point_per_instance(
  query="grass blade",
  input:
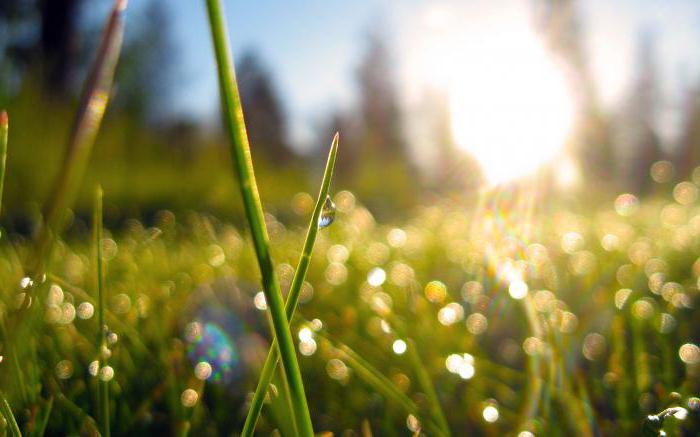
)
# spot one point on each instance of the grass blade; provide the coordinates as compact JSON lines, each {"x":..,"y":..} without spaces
{"x":383,"y":385}
{"x":87,"y":122}
{"x":268,"y":369}
{"x":243,"y":162}
{"x":103,"y":393}
{"x":9,"y":417}
{"x":427,"y":385}
{"x":4,"y":130}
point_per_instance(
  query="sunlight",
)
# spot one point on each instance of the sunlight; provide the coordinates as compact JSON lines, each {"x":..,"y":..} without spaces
{"x":510,"y":106}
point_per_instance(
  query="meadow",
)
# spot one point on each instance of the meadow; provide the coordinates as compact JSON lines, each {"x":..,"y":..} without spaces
{"x":506,"y":313}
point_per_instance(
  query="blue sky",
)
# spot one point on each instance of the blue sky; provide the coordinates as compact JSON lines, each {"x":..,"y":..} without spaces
{"x":313,"y":47}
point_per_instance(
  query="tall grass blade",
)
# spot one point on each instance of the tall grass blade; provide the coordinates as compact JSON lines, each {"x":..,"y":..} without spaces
{"x":243,"y":163}
{"x":4,"y":131}
{"x":93,"y":104}
{"x":294,"y":292}
{"x":103,"y":391}
{"x":9,"y":417}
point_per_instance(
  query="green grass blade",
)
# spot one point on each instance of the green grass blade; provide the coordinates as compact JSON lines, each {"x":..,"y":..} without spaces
{"x":4,"y":130}
{"x":9,"y":417}
{"x":427,"y":385}
{"x":422,"y":375}
{"x":43,"y":419}
{"x":240,"y":150}
{"x":103,"y":391}
{"x":383,"y":385}
{"x":93,"y":104}
{"x":268,"y":369}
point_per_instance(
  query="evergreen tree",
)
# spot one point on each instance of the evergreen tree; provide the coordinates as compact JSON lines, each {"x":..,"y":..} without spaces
{"x":266,"y":120}
{"x":641,"y":114}
{"x":560,"y":24}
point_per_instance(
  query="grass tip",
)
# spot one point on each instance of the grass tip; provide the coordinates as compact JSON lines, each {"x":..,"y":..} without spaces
{"x":336,"y":137}
{"x":4,"y":120}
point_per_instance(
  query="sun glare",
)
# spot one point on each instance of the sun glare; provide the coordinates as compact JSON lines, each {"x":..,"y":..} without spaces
{"x":509,"y":102}
{"x":510,"y":106}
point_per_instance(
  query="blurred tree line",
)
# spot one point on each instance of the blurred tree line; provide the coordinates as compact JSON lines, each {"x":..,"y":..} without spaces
{"x":143,"y":151}
{"x":616,"y":149}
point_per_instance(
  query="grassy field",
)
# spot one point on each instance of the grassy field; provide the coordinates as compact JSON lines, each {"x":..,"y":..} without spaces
{"x":511,"y":314}
{"x":602,"y":336}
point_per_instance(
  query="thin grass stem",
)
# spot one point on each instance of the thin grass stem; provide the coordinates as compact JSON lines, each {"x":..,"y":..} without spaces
{"x":4,"y":131}
{"x":383,"y":385}
{"x":9,"y":417}
{"x":103,"y":390}
{"x":240,"y":150}
{"x":268,"y":369}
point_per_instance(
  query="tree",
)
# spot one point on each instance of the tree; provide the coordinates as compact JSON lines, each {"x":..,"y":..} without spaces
{"x":688,"y":153}
{"x":559,"y":23}
{"x":145,"y":74}
{"x":640,"y":119}
{"x":54,"y":45}
{"x":265,"y":117}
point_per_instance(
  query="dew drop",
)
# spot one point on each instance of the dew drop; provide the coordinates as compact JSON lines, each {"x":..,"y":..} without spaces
{"x":106,"y":373}
{"x":327,"y":213}
{"x":26,"y":282}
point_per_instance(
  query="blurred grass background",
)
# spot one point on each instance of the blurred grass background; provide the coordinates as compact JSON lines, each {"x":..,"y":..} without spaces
{"x":533,"y":307}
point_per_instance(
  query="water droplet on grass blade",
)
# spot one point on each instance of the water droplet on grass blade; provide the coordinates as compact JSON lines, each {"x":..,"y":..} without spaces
{"x":327,"y":213}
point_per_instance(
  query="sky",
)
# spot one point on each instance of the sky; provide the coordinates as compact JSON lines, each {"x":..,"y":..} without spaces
{"x":313,"y":47}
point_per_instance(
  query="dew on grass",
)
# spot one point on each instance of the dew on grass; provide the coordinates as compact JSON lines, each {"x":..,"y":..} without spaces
{"x":694,"y":403}
{"x":25,"y":282}
{"x":396,"y":237}
{"x":202,"y":370}
{"x":189,"y":398}
{"x":412,"y":423}
{"x":477,"y":323}
{"x":316,"y":324}
{"x":518,"y":289}
{"x":327,"y":213}
{"x":376,"y":276}
{"x":662,"y":171}
{"x":112,"y":338}
{"x":55,"y":295}
{"x":105,"y":352}
{"x":67,"y":313}
{"x":462,"y":365}
{"x":490,"y":412}
{"x":450,"y":314}
{"x":259,"y":301}
{"x":435,"y":291}
{"x":399,"y":347}
{"x":64,"y":369}
{"x":85,"y":310}
{"x":307,"y":347}
{"x":94,"y":367}
{"x":106,"y":373}
{"x":593,"y":346}
{"x":337,"y":369}
{"x":626,"y":204}
{"x":689,"y":353}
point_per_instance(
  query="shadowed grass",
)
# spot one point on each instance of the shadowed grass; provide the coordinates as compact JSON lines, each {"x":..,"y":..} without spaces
{"x":294,"y":292}
{"x":240,"y":150}
{"x":9,"y":417}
